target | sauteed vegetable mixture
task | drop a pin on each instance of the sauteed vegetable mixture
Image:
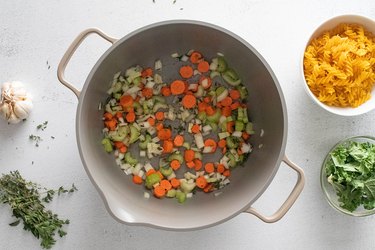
(167, 134)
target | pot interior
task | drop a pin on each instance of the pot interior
(266, 110)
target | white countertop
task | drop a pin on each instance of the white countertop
(35, 34)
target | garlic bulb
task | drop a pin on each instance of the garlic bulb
(15, 102)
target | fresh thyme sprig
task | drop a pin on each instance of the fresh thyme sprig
(27, 204)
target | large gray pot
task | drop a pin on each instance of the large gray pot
(123, 199)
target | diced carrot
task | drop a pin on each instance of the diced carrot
(159, 191)
(201, 182)
(226, 111)
(123, 149)
(239, 151)
(107, 116)
(159, 115)
(222, 143)
(219, 105)
(226, 173)
(160, 174)
(210, 110)
(137, 180)
(126, 101)
(189, 101)
(150, 171)
(227, 101)
(178, 140)
(186, 71)
(146, 72)
(159, 126)
(209, 167)
(235, 94)
(189, 155)
(195, 129)
(198, 164)
(165, 91)
(147, 93)
(111, 124)
(175, 164)
(130, 117)
(167, 146)
(195, 57)
(202, 106)
(175, 182)
(234, 105)
(207, 99)
(230, 127)
(177, 87)
(210, 143)
(203, 66)
(220, 168)
(164, 134)
(151, 121)
(119, 115)
(245, 136)
(166, 185)
(209, 187)
(224, 150)
(119, 144)
(190, 164)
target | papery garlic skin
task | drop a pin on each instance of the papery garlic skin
(15, 104)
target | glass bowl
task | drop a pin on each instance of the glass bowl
(327, 188)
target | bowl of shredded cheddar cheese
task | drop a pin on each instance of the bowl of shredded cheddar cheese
(338, 65)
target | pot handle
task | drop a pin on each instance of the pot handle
(289, 201)
(70, 51)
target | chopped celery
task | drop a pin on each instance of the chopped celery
(215, 117)
(181, 196)
(231, 77)
(143, 144)
(134, 134)
(232, 160)
(243, 92)
(117, 87)
(117, 96)
(221, 64)
(239, 126)
(231, 143)
(159, 105)
(171, 193)
(130, 159)
(106, 142)
(137, 81)
(249, 128)
(240, 114)
(152, 179)
(202, 116)
(245, 116)
(166, 171)
(157, 98)
(186, 187)
(120, 134)
(220, 90)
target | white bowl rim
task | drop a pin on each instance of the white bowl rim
(369, 24)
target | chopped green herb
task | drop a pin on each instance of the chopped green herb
(42, 126)
(26, 203)
(36, 139)
(351, 171)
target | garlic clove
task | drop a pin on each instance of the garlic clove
(22, 108)
(5, 110)
(13, 119)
